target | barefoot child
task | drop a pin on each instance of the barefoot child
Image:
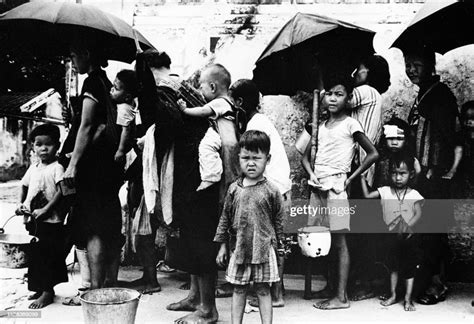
(214, 86)
(401, 207)
(337, 141)
(123, 93)
(245, 95)
(41, 195)
(252, 222)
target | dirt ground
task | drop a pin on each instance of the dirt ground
(13, 293)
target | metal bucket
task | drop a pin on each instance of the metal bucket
(110, 305)
(14, 250)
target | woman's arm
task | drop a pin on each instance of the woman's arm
(84, 137)
(371, 157)
(365, 190)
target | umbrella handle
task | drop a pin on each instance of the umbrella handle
(137, 43)
(315, 126)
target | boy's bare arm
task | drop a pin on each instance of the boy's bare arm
(365, 190)
(371, 157)
(203, 111)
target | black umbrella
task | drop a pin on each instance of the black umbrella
(48, 29)
(442, 25)
(307, 46)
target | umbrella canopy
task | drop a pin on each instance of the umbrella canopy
(306, 47)
(48, 28)
(440, 24)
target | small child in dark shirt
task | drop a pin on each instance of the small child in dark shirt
(252, 221)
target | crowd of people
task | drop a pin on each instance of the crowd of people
(212, 172)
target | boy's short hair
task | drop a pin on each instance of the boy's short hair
(397, 159)
(254, 141)
(46, 130)
(335, 79)
(129, 81)
(220, 74)
(156, 59)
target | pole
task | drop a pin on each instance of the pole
(315, 127)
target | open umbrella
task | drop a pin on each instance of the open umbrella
(307, 46)
(440, 24)
(48, 28)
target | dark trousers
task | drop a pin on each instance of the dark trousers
(46, 264)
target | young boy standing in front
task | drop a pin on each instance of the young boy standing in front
(252, 221)
(337, 140)
(40, 198)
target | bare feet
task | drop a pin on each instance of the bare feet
(275, 303)
(334, 303)
(199, 316)
(185, 305)
(390, 301)
(204, 185)
(362, 294)
(36, 295)
(408, 306)
(44, 300)
(150, 289)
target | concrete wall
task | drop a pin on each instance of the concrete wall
(183, 31)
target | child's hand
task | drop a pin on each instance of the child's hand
(39, 213)
(222, 256)
(119, 157)
(21, 210)
(314, 182)
(182, 104)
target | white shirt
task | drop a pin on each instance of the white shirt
(278, 169)
(43, 178)
(392, 207)
(336, 147)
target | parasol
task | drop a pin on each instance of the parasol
(306, 47)
(442, 25)
(49, 28)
